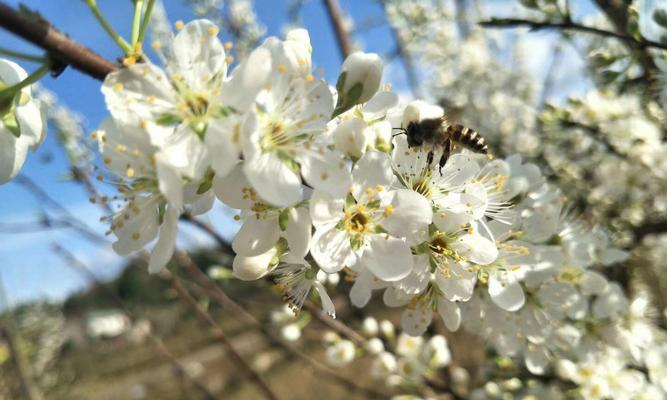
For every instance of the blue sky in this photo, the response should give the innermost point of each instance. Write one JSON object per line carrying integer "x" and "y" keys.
{"x": 28, "y": 268}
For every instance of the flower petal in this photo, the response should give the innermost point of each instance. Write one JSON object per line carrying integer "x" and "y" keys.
{"x": 198, "y": 57}
{"x": 298, "y": 232}
{"x": 388, "y": 258}
{"x": 412, "y": 214}
{"x": 506, "y": 295}
{"x": 325, "y": 209}
{"x": 254, "y": 267}
{"x": 164, "y": 248}
{"x": 273, "y": 179}
{"x": 450, "y": 313}
{"x": 256, "y": 236}
{"x": 331, "y": 249}
{"x": 373, "y": 169}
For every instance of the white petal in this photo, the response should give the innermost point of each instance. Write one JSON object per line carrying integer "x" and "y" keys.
{"x": 388, "y": 258}
{"x": 612, "y": 256}
{"x": 447, "y": 221}
{"x": 458, "y": 283}
{"x": 169, "y": 183}
{"x": 198, "y": 54}
{"x": 233, "y": 189}
{"x": 476, "y": 248}
{"x": 223, "y": 144}
{"x": 32, "y": 122}
{"x": 349, "y": 137}
{"x": 537, "y": 359}
{"x": 137, "y": 229}
{"x": 325, "y": 209}
{"x": 11, "y": 73}
{"x": 327, "y": 172}
{"x": 373, "y": 169}
{"x": 327, "y": 304}
{"x": 507, "y": 295}
{"x": 378, "y": 105}
{"x": 331, "y": 249}
{"x": 185, "y": 152}
{"x": 13, "y": 152}
{"x": 298, "y": 232}
{"x": 164, "y": 248}
{"x": 256, "y": 236}
{"x": 127, "y": 93}
{"x": 415, "y": 322}
{"x": 360, "y": 293}
{"x": 393, "y": 297}
{"x": 450, "y": 313}
{"x": 247, "y": 80}
{"x": 592, "y": 283}
{"x": 412, "y": 213}
{"x": 254, "y": 267}
{"x": 273, "y": 180}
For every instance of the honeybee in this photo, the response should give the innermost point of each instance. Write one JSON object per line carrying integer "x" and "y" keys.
{"x": 439, "y": 133}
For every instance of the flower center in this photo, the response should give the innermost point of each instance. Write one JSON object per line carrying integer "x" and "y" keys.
{"x": 357, "y": 223}
{"x": 422, "y": 186}
{"x": 275, "y": 135}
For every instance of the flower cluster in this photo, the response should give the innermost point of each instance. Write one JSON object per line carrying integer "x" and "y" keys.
{"x": 400, "y": 360}
{"x": 324, "y": 187}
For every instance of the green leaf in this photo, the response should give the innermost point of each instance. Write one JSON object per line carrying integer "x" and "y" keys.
{"x": 207, "y": 182}
{"x": 380, "y": 230}
{"x": 167, "y": 119}
{"x": 283, "y": 219}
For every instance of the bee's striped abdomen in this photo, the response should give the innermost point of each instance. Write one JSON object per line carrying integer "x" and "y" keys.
{"x": 467, "y": 138}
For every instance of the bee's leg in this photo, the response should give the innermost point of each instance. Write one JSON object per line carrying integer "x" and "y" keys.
{"x": 445, "y": 155}
{"x": 429, "y": 158}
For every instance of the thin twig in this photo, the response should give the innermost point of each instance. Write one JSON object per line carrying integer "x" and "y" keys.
{"x": 58, "y": 45}
{"x": 76, "y": 264}
{"x": 217, "y": 294}
{"x": 220, "y": 335}
{"x": 570, "y": 26}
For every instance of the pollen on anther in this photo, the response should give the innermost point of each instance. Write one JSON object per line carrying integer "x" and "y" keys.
{"x": 282, "y": 68}
{"x": 156, "y": 45}
{"x": 237, "y": 218}
{"x": 309, "y": 77}
{"x": 229, "y": 45}
{"x": 229, "y": 59}
{"x": 93, "y": 134}
{"x": 117, "y": 86}
{"x": 107, "y": 160}
{"x": 129, "y": 172}
{"x": 179, "y": 25}
{"x": 212, "y": 31}
{"x": 136, "y": 236}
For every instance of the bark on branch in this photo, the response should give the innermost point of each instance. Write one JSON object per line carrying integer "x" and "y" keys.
{"x": 59, "y": 47}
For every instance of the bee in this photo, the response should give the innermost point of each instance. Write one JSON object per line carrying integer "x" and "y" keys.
{"x": 439, "y": 133}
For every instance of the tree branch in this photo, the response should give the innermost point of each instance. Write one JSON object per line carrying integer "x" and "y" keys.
{"x": 55, "y": 43}
{"x": 570, "y": 26}
{"x": 338, "y": 23}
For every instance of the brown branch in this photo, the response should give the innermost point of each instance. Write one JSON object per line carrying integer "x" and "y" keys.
{"x": 217, "y": 294}
{"x": 571, "y": 26}
{"x": 73, "y": 262}
{"x": 55, "y": 43}
{"x": 338, "y": 23}
{"x": 220, "y": 335}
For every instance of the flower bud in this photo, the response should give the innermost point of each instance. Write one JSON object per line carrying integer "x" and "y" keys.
{"x": 349, "y": 137}
{"x": 358, "y": 81}
{"x": 370, "y": 326}
{"x": 291, "y": 332}
{"x": 340, "y": 354}
{"x": 374, "y": 346}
